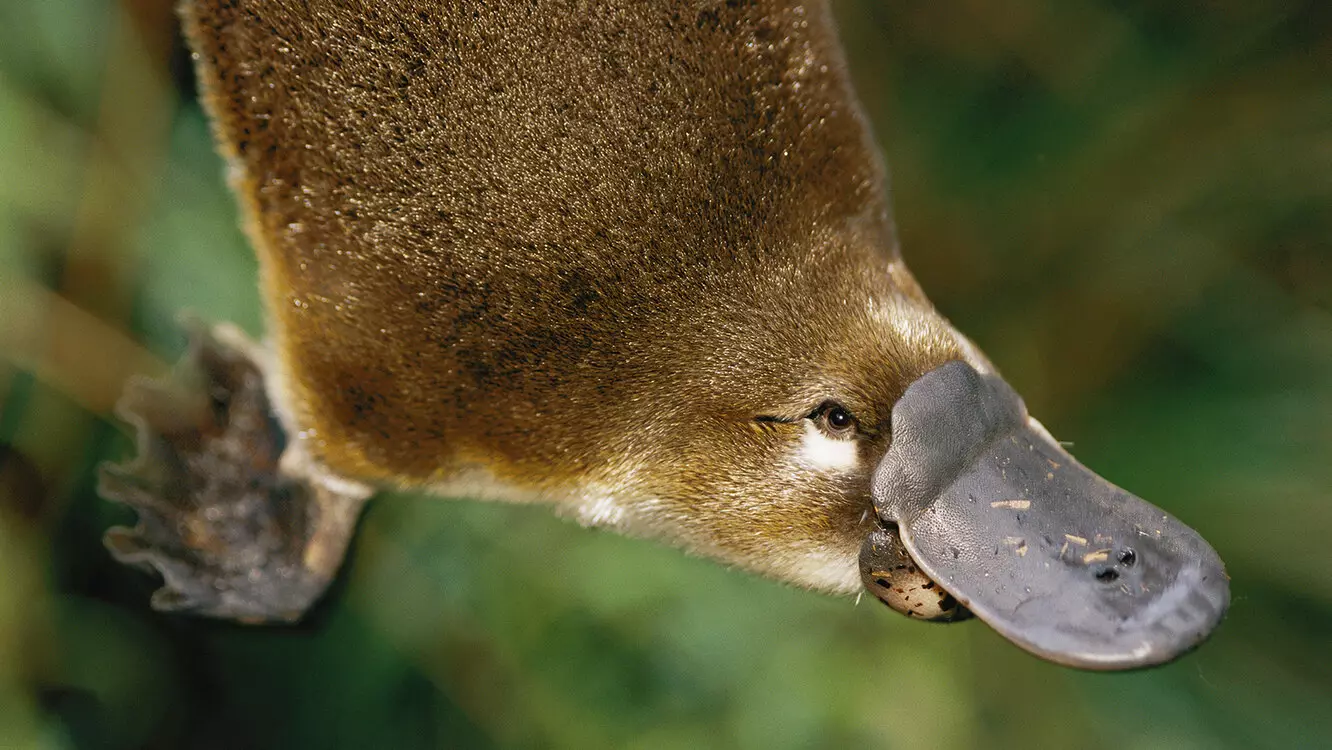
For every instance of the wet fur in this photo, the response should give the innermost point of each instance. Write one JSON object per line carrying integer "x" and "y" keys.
{"x": 568, "y": 252}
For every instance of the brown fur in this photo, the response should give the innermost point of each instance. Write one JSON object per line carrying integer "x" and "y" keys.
{"x": 572, "y": 248}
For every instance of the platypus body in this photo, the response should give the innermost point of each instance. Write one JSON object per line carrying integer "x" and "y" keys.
{"x": 634, "y": 260}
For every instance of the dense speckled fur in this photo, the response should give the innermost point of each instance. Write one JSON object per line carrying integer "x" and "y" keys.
{"x": 569, "y": 251}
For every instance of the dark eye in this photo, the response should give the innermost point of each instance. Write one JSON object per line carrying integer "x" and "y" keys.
{"x": 836, "y": 420}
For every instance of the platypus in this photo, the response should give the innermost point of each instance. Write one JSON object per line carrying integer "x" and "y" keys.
{"x": 632, "y": 260}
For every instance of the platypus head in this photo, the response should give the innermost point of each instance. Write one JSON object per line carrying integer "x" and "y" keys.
{"x": 776, "y": 408}
{"x": 830, "y": 428}
{"x": 637, "y": 260}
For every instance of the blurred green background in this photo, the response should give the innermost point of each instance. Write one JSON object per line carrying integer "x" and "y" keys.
{"x": 1128, "y": 204}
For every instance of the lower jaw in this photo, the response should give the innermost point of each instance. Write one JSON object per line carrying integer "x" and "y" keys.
{"x": 888, "y": 572}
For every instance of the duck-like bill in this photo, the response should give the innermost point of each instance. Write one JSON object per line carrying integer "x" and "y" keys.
{"x": 1052, "y": 556}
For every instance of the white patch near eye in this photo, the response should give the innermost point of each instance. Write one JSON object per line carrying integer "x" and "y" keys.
{"x": 821, "y": 452}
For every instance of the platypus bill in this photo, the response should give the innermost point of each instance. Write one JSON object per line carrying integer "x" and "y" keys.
{"x": 633, "y": 260}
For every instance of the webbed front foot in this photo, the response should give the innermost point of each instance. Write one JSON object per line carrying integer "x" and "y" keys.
{"x": 235, "y": 531}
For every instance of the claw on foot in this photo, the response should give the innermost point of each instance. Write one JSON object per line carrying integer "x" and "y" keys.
{"x": 233, "y": 530}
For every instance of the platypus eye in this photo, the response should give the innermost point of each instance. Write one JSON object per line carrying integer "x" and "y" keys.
{"x": 835, "y": 420}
